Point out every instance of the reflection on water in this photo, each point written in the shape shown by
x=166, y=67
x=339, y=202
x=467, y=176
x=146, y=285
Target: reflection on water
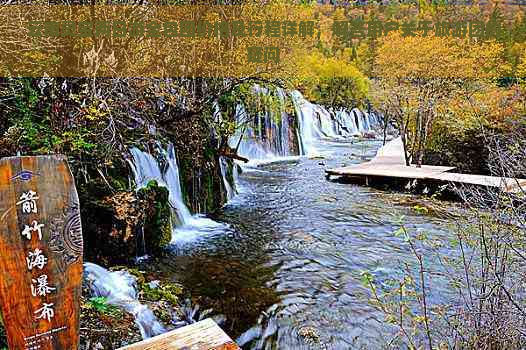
x=290, y=258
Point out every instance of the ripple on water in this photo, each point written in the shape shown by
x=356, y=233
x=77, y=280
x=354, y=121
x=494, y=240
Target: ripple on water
x=286, y=270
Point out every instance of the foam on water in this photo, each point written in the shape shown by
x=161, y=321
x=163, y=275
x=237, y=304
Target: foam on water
x=185, y=226
x=120, y=289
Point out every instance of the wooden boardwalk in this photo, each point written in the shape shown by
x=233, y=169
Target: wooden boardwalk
x=390, y=162
x=202, y=335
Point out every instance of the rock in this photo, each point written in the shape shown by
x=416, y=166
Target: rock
x=369, y=135
x=309, y=334
x=154, y=284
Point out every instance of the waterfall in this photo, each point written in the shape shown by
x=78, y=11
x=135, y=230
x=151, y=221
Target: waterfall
x=268, y=136
x=346, y=122
x=249, y=140
x=185, y=226
x=120, y=289
x=145, y=168
x=265, y=136
x=309, y=130
x=229, y=188
x=316, y=122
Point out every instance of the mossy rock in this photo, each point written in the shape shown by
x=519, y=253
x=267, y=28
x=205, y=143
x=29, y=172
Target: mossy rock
x=157, y=223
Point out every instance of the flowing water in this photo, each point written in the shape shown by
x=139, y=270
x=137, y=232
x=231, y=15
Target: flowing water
x=146, y=167
x=294, y=250
x=285, y=255
x=120, y=289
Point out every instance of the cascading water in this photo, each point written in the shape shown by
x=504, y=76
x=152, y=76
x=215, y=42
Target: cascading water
x=120, y=289
x=310, y=128
x=346, y=123
x=264, y=136
x=145, y=167
x=229, y=188
x=268, y=136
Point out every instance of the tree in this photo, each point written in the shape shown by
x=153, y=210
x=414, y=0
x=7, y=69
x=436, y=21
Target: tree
x=418, y=77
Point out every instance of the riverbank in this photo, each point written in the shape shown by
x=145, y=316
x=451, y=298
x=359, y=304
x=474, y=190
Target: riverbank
x=124, y=305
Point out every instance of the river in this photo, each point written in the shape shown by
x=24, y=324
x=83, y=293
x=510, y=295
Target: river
x=291, y=251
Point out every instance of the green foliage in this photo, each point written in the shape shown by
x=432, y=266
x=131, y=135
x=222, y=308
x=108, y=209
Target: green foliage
x=35, y=123
x=169, y=292
x=420, y=209
x=100, y=304
x=165, y=290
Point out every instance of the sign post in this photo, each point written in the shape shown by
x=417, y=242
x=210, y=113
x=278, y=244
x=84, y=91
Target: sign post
x=40, y=253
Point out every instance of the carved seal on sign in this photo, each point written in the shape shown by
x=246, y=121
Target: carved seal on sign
x=24, y=175
x=66, y=235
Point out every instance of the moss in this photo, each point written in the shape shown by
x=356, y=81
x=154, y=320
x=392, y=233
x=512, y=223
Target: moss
x=107, y=328
x=166, y=291
x=197, y=155
x=100, y=305
x=157, y=225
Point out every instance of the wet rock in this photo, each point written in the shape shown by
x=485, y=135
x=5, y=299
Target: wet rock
x=369, y=135
x=309, y=334
x=154, y=284
x=157, y=225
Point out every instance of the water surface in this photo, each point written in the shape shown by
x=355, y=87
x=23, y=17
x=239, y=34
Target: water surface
x=293, y=250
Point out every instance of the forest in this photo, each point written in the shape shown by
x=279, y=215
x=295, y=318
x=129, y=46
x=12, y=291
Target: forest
x=205, y=196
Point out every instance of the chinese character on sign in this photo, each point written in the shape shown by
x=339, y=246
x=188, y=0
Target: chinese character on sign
x=42, y=287
x=36, y=259
x=28, y=230
x=28, y=201
x=46, y=312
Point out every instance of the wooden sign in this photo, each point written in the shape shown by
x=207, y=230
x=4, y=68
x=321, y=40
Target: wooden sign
x=40, y=253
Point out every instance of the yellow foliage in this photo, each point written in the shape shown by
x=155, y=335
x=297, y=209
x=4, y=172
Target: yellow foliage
x=333, y=81
x=431, y=56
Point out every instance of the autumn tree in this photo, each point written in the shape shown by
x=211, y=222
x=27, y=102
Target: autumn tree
x=419, y=75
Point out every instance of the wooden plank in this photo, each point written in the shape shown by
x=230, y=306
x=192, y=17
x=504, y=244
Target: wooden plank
x=390, y=170
x=40, y=253
x=390, y=162
x=505, y=183
x=429, y=172
x=202, y=335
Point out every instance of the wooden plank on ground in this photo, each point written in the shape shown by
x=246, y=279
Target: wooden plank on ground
x=429, y=172
x=40, y=253
x=389, y=170
x=202, y=335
